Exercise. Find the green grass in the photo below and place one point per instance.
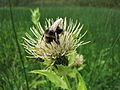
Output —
(96, 3)
(102, 55)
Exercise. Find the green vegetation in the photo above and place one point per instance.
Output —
(96, 3)
(102, 57)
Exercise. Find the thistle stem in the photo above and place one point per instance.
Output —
(67, 82)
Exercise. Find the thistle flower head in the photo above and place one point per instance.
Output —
(69, 40)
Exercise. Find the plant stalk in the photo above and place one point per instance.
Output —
(18, 46)
(67, 82)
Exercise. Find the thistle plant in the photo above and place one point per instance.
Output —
(60, 54)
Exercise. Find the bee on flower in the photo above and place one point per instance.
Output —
(54, 44)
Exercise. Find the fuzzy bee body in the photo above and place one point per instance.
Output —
(52, 33)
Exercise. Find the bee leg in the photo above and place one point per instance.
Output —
(42, 37)
(57, 38)
(58, 42)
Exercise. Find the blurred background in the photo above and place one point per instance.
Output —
(97, 3)
(101, 18)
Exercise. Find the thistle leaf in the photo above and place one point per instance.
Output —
(63, 70)
(53, 77)
(81, 84)
(35, 83)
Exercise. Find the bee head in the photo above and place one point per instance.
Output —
(59, 30)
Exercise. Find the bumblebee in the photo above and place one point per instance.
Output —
(52, 33)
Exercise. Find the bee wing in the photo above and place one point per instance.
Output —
(56, 24)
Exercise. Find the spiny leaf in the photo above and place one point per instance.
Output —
(53, 77)
(63, 70)
(81, 84)
(35, 83)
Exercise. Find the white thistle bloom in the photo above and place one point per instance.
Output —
(79, 60)
(69, 40)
